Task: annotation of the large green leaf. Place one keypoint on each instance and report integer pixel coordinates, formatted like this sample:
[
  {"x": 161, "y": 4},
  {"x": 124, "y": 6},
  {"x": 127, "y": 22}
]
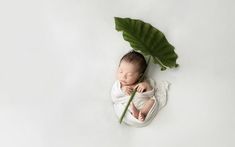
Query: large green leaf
[{"x": 143, "y": 37}]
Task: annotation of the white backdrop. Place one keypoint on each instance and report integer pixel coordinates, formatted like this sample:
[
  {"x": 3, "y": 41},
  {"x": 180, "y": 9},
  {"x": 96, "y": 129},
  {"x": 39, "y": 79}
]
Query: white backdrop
[{"x": 58, "y": 61}]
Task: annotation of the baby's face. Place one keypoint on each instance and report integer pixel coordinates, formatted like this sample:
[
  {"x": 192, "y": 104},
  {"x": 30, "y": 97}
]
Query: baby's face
[{"x": 127, "y": 73}]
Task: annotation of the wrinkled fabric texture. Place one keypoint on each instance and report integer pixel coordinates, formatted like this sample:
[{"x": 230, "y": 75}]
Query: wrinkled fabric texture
[{"x": 120, "y": 100}]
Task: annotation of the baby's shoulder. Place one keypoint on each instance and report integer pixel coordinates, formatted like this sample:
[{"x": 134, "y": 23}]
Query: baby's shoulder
[
  {"x": 146, "y": 79},
  {"x": 150, "y": 81}
]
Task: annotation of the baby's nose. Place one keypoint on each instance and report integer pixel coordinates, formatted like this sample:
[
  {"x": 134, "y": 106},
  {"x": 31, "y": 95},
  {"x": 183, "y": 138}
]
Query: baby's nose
[{"x": 124, "y": 77}]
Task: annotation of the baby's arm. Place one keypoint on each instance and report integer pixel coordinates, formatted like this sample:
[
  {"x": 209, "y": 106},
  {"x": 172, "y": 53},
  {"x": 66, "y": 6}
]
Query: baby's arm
[{"x": 143, "y": 86}]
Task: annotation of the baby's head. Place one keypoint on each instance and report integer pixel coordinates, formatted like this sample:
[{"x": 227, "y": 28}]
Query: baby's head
[{"x": 132, "y": 65}]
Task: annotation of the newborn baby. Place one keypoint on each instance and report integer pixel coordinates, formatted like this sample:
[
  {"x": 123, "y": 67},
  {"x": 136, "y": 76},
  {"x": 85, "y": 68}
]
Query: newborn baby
[{"x": 131, "y": 67}]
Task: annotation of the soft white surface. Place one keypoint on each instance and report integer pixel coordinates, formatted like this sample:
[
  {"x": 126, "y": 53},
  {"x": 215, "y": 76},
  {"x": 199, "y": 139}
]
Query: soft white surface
[{"x": 58, "y": 62}]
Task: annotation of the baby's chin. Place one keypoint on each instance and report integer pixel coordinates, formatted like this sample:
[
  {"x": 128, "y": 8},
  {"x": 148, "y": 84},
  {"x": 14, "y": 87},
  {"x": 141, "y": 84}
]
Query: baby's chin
[{"x": 125, "y": 84}]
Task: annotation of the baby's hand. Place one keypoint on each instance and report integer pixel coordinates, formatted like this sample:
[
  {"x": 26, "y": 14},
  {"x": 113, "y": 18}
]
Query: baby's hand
[
  {"x": 143, "y": 86},
  {"x": 127, "y": 89}
]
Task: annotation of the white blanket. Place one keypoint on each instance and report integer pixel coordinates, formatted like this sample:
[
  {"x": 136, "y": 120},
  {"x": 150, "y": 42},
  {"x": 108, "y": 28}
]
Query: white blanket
[{"x": 120, "y": 100}]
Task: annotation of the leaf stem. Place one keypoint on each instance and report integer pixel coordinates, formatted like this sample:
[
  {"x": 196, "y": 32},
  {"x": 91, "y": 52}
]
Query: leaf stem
[{"x": 160, "y": 63}]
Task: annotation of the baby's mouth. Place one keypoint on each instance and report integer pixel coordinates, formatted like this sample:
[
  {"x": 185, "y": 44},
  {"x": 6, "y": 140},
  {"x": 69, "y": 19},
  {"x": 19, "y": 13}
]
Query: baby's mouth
[{"x": 123, "y": 82}]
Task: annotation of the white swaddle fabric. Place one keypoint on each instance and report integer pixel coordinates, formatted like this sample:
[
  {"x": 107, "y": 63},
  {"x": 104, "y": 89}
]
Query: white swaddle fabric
[{"x": 120, "y": 100}]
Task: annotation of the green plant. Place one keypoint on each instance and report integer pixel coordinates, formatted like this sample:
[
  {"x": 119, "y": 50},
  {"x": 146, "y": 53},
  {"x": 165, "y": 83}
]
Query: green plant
[{"x": 149, "y": 41}]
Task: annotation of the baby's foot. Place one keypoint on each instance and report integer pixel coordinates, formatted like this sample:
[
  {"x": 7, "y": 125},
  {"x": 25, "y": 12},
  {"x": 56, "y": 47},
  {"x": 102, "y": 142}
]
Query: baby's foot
[
  {"x": 134, "y": 110},
  {"x": 141, "y": 116}
]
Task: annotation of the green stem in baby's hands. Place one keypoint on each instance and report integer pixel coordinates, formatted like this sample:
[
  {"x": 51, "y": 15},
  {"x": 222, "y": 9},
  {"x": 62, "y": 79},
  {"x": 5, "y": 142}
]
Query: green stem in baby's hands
[
  {"x": 124, "y": 112},
  {"x": 133, "y": 93}
]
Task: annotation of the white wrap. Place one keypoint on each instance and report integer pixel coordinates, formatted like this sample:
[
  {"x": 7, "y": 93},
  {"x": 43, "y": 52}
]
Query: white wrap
[{"x": 120, "y": 100}]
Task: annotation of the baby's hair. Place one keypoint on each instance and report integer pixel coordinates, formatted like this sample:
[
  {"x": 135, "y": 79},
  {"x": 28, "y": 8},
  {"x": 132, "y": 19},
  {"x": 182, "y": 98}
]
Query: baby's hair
[{"x": 135, "y": 58}]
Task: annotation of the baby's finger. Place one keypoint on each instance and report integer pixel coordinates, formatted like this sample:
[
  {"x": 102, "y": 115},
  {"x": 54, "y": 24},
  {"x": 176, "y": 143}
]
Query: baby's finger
[
  {"x": 139, "y": 89},
  {"x": 142, "y": 90},
  {"x": 129, "y": 92},
  {"x": 136, "y": 86}
]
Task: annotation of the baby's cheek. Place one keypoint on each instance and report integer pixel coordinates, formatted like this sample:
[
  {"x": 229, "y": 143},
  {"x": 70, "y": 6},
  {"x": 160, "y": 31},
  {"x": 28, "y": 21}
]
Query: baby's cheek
[
  {"x": 133, "y": 82},
  {"x": 118, "y": 76}
]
